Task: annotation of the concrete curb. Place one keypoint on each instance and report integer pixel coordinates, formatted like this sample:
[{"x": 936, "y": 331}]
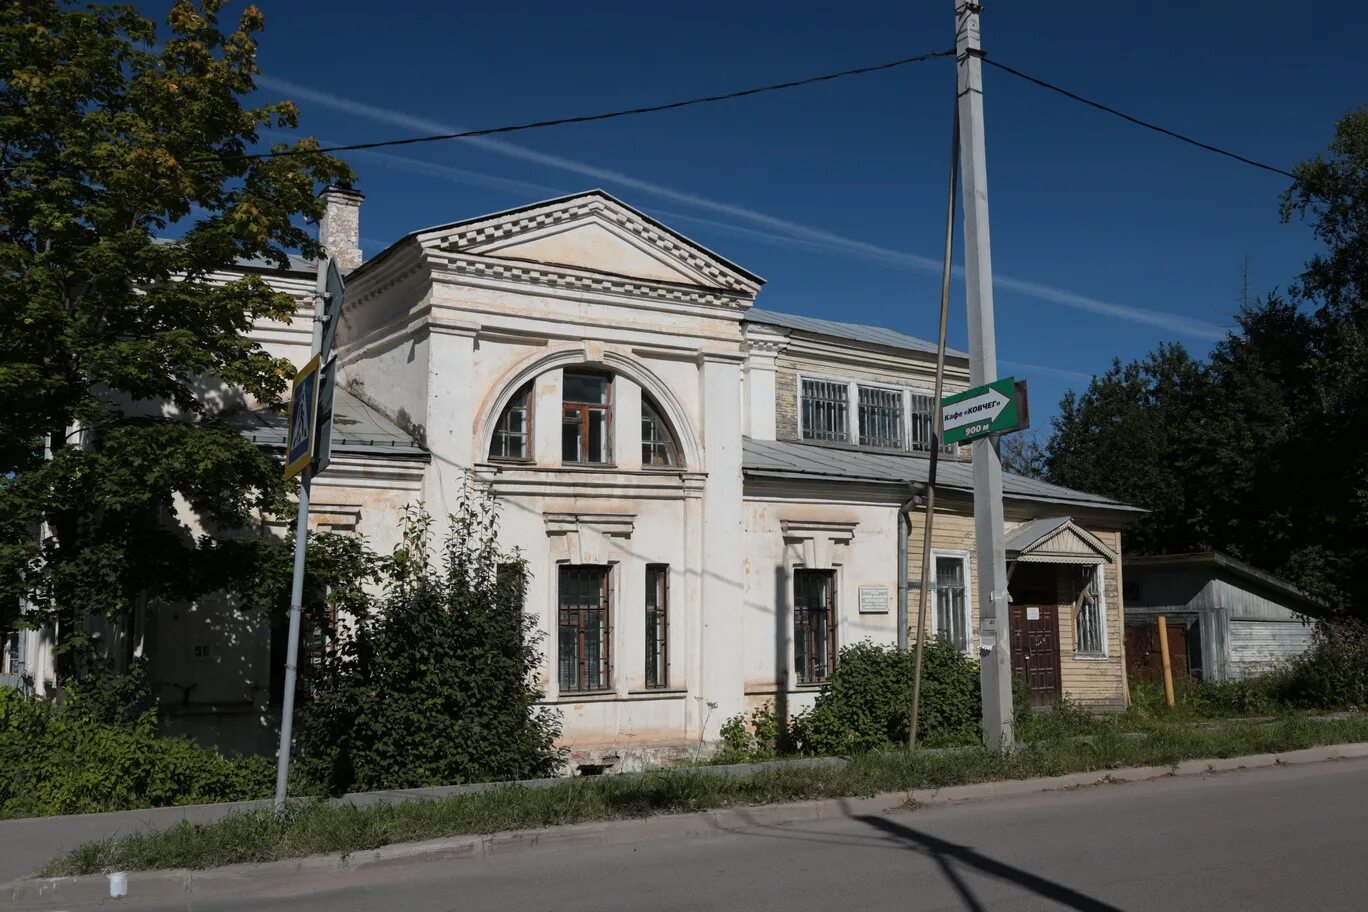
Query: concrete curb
[{"x": 118, "y": 890}]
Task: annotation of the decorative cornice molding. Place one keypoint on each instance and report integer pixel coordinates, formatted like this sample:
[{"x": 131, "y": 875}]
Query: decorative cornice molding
[
  {"x": 765, "y": 340},
  {"x": 617, "y": 525},
  {"x": 801, "y": 529},
  {"x": 568, "y": 279},
  {"x": 523, "y": 222}
]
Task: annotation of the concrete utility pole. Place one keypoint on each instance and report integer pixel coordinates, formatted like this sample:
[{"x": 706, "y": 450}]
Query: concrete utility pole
[{"x": 996, "y": 660}]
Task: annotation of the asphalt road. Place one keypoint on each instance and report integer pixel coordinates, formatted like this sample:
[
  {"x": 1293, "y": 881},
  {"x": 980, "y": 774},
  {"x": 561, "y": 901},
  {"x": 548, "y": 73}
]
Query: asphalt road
[{"x": 1273, "y": 839}]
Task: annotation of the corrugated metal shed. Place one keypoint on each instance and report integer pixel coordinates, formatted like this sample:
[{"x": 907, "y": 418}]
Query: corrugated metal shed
[
  {"x": 794, "y": 459},
  {"x": 358, "y": 430},
  {"x": 855, "y": 332}
]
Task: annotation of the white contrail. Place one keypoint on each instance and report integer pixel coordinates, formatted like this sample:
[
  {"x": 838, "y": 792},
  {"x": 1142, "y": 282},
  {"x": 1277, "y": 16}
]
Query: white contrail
[
  {"x": 811, "y": 237},
  {"x": 1060, "y": 372}
]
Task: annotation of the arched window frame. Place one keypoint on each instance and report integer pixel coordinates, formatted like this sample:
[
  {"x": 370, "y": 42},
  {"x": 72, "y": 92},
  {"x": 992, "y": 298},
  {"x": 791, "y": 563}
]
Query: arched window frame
[
  {"x": 516, "y": 413},
  {"x": 657, "y": 437}
]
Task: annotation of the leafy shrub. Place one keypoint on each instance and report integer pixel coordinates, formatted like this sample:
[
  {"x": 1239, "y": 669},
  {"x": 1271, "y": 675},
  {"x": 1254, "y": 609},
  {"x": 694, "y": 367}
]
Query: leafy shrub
[
  {"x": 1333, "y": 674},
  {"x": 864, "y": 705},
  {"x": 1066, "y": 719},
  {"x": 60, "y": 761},
  {"x": 752, "y": 740},
  {"x": 433, "y": 684}
]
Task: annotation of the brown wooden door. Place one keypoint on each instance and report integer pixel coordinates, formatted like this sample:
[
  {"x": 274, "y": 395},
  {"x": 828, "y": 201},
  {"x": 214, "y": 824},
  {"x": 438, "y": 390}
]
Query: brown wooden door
[
  {"x": 1144, "y": 661},
  {"x": 1035, "y": 651}
]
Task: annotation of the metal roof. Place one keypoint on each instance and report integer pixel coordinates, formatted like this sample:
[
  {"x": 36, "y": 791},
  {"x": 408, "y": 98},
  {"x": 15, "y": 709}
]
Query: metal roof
[
  {"x": 794, "y": 459},
  {"x": 1029, "y": 534},
  {"x": 855, "y": 332},
  {"x": 297, "y": 263},
  {"x": 358, "y": 429},
  {"x": 1216, "y": 559}
]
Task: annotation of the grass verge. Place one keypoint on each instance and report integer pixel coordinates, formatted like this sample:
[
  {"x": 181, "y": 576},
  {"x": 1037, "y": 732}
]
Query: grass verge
[{"x": 319, "y": 828}]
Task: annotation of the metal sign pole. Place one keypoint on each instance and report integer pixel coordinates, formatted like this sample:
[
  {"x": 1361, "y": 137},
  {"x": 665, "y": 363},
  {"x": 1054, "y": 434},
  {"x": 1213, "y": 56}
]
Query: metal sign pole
[
  {"x": 995, "y": 660},
  {"x": 324, "y": 312}
]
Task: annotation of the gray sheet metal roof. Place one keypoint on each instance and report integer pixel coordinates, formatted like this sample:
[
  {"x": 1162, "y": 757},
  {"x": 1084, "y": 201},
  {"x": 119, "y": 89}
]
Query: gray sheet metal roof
[
  {"x": 297, "y": 263},
  {"x": 358, "y": 430},
  {"x": 855, "y": 332},
  {"x": 792, "y": 459},
  {"x": 1028, "y": 534},
  {"x": 1224, "y": 561}
]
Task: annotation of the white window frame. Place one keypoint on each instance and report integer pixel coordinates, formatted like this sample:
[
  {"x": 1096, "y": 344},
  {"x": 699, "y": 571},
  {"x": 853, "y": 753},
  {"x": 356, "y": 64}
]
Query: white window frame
[
  {"x": 1100, "y": 571},
  {"x": 853, "y": 406},
  {"x": 963, "y": 555}
]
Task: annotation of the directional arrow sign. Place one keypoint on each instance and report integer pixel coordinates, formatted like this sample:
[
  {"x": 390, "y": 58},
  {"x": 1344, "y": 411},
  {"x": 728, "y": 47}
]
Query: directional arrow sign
[{"x": 997, "y": 408}]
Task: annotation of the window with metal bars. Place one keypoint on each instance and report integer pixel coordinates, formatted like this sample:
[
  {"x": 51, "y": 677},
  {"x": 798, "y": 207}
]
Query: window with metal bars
[
  {"x": 585, "y": 630},
  {"x": 814, "y": 624},
  {"x": 657, "y": 625},
  {"x": 881, "y": 417},
  {"x": 826, "y": 410},
  {"x": 1088, "y": 639},
  {"x": 586, "y": 418},
  {"x": 513, "y": 433},
  {"x": 952, "y": 615},
  {"x": 657, "y": 443}
]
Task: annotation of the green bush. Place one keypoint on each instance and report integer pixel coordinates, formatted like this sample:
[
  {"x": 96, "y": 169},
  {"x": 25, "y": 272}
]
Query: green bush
[
  {"x": 1333, "y": 674},
  {"x": 433, "y": 685},
  {"x": 751, "y": 740},
  {"x": 864, "y": 705},
  {"x": 60, "y": 761}
]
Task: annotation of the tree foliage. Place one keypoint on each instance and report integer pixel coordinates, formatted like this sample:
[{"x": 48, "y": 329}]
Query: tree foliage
[
  {"x": 122, "y": 354},
  {"x": 1259, "y": 450},
  {"x": 432, "y": 684}
]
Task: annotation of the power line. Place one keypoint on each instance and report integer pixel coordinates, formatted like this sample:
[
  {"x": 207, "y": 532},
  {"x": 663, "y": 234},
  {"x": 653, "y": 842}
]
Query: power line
[
  {"x": 1137, "y": 121},
  {"x": 589, "y": 118}
]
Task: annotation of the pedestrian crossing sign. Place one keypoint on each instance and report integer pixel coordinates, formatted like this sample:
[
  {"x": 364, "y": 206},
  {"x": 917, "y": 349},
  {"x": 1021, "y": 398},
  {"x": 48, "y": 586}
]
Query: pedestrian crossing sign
[{"x": 300, "y": 442}]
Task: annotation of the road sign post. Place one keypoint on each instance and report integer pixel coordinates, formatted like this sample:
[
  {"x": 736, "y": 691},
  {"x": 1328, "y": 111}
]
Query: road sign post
[{"x": 308, "y": 448}]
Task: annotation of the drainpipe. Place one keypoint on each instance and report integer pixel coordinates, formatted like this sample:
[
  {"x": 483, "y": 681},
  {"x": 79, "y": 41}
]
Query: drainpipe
[{"x": 904, "y": 530}]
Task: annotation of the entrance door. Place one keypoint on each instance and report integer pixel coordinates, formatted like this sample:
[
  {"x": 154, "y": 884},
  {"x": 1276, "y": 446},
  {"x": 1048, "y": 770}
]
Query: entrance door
[{"x": 1035, "y": 651}]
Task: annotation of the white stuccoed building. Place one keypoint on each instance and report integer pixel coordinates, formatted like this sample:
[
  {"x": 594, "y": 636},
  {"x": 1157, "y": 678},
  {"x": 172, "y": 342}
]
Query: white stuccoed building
[{"x": 709, "y": 495}]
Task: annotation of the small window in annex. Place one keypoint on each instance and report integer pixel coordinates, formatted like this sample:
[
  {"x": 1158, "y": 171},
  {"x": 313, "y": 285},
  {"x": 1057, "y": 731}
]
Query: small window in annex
[
  {"x": 814, "y": 624},
  {"x": 657, "y": 443},
  {"x": 585, "y": 631},
  {"x": 513, "y": 432},
  {"x": 825, "y": 410},
  {"x": 586, "y": 418},
  {"x": 1088, "y": 635}
]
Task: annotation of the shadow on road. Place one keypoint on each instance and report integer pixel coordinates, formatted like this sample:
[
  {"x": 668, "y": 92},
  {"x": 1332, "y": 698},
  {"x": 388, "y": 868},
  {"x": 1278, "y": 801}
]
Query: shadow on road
[{"x": 946, "y": 853}]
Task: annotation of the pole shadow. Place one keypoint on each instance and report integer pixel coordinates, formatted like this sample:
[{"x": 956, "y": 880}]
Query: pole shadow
[{"x": 946, "y": 853}]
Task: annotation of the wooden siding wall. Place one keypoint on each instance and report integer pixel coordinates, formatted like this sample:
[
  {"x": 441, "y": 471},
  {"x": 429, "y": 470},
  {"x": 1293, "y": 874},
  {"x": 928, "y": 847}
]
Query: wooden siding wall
[
  {"x": 1258, "y": 646},
  {"x": 1094, "y": 682}
]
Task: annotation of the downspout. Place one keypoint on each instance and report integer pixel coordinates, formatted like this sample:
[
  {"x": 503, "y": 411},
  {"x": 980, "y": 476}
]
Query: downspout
[{"x": 904, "y": 532}]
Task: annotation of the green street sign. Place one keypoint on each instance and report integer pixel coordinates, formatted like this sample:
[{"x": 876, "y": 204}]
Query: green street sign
[{"x": 998, "y": 408}]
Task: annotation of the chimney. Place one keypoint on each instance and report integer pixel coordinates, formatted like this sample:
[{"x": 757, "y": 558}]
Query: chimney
[{"x": 339, "y": 230}]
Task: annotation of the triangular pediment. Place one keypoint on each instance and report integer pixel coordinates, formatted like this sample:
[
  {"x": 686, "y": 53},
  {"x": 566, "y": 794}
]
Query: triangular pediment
[
  {"x": 1059, "y": 540},
  {"x": 595, "y": 233}
]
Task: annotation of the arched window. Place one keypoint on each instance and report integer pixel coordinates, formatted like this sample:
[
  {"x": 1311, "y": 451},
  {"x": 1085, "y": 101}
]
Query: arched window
[
  {"x": 513, "y": 433},
  {"x": 657, "y": 443}
]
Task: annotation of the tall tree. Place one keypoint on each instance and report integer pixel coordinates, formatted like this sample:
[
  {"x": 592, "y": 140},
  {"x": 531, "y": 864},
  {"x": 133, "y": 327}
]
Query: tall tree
[
  {"x": 120, "y": 351},
  {"x": 1259, "y": 451}
]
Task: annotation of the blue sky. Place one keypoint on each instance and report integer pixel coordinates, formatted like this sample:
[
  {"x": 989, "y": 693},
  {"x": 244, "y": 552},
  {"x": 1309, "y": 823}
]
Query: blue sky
[{"x": 1107, "y": 239}]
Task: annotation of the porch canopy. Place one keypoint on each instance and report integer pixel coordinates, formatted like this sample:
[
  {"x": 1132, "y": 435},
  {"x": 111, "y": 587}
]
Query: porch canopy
[{"x": 1056, "y": 540}]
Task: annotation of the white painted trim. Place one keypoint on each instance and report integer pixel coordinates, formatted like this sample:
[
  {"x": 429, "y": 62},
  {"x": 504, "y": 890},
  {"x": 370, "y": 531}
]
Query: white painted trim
[{"x": 936, "y": 553}]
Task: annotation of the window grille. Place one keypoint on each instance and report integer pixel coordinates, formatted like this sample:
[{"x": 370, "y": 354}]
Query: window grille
[
  {"x": 657, "y": 625},
  {"x": 826, "y": 410},
  {"x": 881, "y": 417},
  {"x": 814, "y": 624},
  {"x": 584, "y": 658}
]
